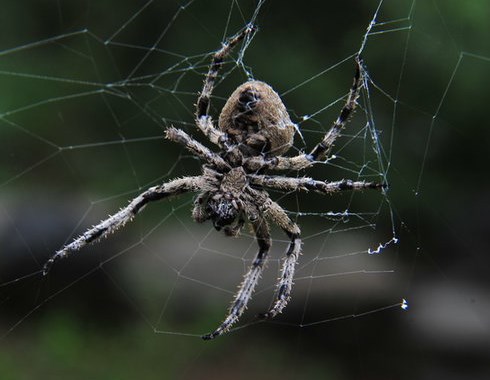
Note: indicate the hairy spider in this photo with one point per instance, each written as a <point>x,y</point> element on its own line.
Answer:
<point>254,130</point>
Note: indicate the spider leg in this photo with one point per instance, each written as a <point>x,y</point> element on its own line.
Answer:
<point>276,214</point>
<point>323,148</point>
<point>257,163</point>
<point>202,106</point>
<point>203,120</point>
<point>196,148</point>
<point>250,280</point>
<point>305,183</point>
<point>126,214</point>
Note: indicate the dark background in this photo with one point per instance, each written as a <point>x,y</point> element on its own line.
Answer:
<point>74,150</point>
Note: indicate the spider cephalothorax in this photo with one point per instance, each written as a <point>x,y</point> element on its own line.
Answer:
<point>224,205</point>
<point>254,129</point>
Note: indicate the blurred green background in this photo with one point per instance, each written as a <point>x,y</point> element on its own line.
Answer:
<point>75,148</point>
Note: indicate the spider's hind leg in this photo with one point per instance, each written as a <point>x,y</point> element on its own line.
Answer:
<point>203,121</point>
<point>323,148</point>
<point>202,105</point>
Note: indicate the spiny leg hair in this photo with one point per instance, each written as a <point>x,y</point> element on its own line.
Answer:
<point>203,120</point>
<point>306,184</point>
<point>195,147</point>
<point>276,214</point>
<point>250,279</point>
<point>126,214</point>
<point>323,148</point>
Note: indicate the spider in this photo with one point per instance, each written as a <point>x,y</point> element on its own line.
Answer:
<point>254,130</point>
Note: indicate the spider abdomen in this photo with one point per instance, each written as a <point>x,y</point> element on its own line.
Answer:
<point>255,118</point>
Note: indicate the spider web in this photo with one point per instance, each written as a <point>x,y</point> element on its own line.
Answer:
<point>88,90</point>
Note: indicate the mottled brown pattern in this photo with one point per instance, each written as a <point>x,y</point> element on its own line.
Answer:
<point>255,117</point>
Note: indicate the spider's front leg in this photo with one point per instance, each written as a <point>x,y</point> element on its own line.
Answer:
<point>250,280</point>
<point>126,214</point>
<point>276,214</point>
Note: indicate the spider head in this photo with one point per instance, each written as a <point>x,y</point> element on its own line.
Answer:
<point>255,118</point>
<point>223,211</point>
